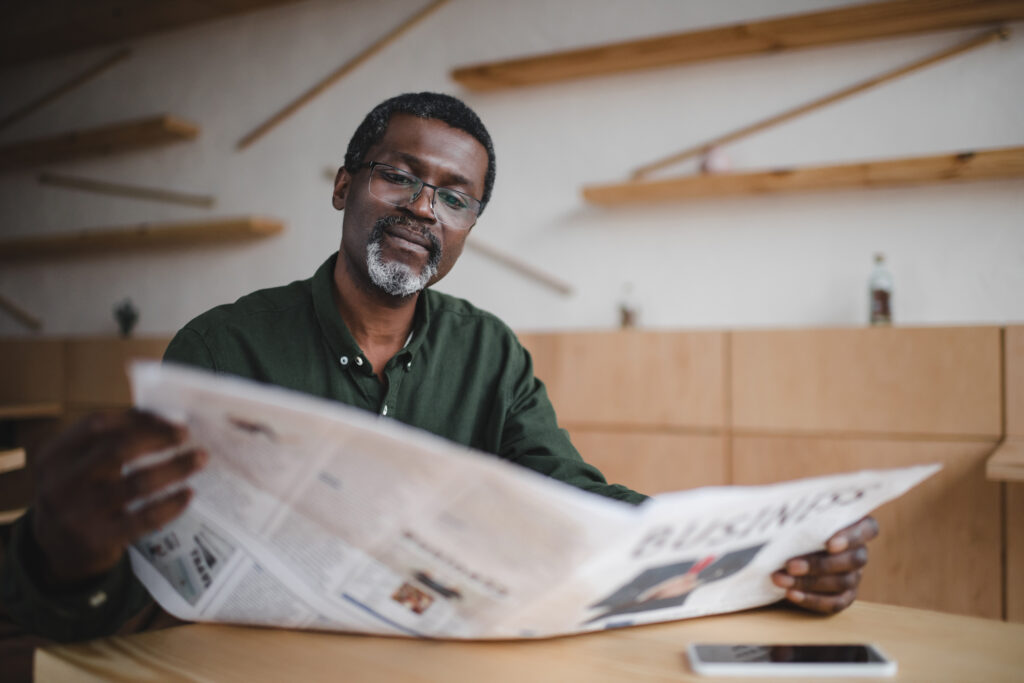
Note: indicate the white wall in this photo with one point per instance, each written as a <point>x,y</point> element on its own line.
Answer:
<point>956,251</point>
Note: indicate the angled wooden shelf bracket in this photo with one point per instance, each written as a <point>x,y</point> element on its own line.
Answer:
<point>154,194</point>
<point>846,24</point>
<point>143,236</point>
<point>101,141</point>
<point>74,82</point>
<point>983,165</point>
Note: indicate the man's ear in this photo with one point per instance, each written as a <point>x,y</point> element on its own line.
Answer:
<point>342,182</point>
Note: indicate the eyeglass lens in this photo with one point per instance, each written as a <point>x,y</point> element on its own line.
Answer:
<point>400,188</point>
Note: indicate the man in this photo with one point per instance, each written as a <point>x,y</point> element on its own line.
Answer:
<point>364,330</point>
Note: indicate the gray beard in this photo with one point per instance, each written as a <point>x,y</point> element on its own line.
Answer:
<point>392,277</point>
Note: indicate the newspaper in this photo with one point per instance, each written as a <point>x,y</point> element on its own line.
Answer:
<point>315,515</point>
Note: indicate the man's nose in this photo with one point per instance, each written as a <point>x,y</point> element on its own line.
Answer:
<point>422,204</point>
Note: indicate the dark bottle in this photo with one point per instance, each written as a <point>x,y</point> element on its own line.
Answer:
<point>880,286</point>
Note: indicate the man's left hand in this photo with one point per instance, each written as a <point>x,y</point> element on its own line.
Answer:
<point>827,581</point>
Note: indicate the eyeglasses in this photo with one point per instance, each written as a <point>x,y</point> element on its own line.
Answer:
<point>455,209</point>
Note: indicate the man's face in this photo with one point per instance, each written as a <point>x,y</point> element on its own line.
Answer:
<point>400,250</point>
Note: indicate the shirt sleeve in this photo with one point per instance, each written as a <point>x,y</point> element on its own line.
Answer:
<point>92,610</point>
<point>188,347</point>
<point>105,604</point>
<point>533,439</point>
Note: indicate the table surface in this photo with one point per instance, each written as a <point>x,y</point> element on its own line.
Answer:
<point>928,646</point>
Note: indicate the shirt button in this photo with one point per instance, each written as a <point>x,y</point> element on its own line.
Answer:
<point>384,411</point>
<point>359,361</point>
<point>343,360</point>
<point>408,366</point>
<point>97,599</point>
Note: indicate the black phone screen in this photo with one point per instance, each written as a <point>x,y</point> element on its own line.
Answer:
<point>789,654</point>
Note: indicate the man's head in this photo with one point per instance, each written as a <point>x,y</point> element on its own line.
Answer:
<point>425,105</point>
<point>419,169</point>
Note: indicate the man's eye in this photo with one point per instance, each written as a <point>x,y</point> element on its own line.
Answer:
<point>452,200</point>
<point>396,178</point>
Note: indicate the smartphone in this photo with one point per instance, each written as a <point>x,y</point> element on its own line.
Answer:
<point>786,660</point>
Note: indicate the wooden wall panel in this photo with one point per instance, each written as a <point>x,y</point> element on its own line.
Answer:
<point>1015,553</point>
<point>940,546</point>
<point>96,368</point>
<point>654,462</point>
<point>876,381</point>
<point>31,370</point>
<point>1014,373</point>
<point>633,378</point>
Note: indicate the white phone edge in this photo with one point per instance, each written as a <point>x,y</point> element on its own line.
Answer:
<point>884,669</point>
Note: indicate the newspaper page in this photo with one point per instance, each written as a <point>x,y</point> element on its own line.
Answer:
<point>316,515</point>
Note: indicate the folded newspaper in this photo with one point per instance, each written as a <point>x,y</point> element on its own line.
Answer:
<point>312,514</point>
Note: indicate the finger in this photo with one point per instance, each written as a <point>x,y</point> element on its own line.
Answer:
<point>825,604</point>
<point>133,434</point>
<point>829,584</point>
<point>154,515</point>
<point>150,480</point>
<point>823,563</point>
<point>856,534</point>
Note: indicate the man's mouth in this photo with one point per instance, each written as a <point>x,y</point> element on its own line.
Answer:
<point>407,235</point>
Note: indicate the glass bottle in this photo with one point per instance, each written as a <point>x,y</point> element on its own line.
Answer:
<point>880,286</point>
<point>629,308</point>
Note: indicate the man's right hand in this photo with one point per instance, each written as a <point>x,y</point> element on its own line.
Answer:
<point>82,522</point>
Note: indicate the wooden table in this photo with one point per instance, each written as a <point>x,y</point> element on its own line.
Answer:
<point>928,646</point>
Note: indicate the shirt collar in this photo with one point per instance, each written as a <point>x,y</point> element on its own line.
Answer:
<point>336,333</point>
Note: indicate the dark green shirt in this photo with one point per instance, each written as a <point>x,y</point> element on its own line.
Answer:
<point>462,375</point>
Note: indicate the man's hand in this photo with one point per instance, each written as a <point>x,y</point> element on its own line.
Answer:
<point>827,581</point>
<point>82,522</point>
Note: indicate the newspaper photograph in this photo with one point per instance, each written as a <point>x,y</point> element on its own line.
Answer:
<point>312,514</point>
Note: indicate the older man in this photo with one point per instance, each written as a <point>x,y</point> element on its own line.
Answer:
<point>365,330</point>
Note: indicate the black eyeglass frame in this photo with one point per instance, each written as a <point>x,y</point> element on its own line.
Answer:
<point>473,204</point>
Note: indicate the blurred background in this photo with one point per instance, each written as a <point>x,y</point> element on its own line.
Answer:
<point>955,250</point>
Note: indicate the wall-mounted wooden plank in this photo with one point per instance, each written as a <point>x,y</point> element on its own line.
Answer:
<point>984,165</point>
<point>898,381</point>
<point>940,544</point>
<point>12,459</point>
<point>654,462</point>
<point>30,411</point>
<point>97,368</point>
<point>31,371</point>
<point>32,30</point>
<point>1007,462</point>
<point>101,141</point>
<point>633,378</point>
<point>859,22</point>
<point>144,236</point>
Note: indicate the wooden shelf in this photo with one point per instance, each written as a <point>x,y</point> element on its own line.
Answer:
<point>12,459</point>
<point>8,516</point>
<point>860,22</point>
<point>28,411</point>
<point>986,165</point>
<point>143,236</point>
<point>32,30</point>
<point>101,141</point>
<point>1007,463</point>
